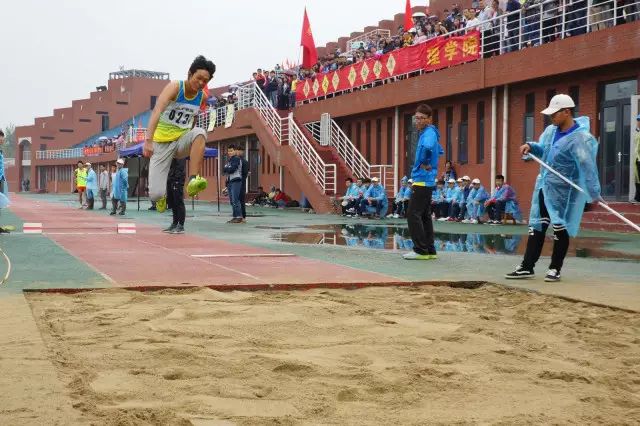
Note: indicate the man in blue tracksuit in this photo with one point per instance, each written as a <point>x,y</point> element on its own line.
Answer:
<point>376,197</point>
<point>423,173</point>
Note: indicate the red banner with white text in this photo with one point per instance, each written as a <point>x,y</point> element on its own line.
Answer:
<point>434,54</point>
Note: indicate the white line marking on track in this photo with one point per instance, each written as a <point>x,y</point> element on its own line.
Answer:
<point>244,255</point>
<point>253,277</point>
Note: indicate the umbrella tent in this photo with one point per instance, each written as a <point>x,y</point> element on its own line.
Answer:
<point>135,151</point>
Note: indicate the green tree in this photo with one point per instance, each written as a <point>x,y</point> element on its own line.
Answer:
<point>9,147</point>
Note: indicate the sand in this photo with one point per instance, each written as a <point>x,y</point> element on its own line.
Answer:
<point>421,355</point>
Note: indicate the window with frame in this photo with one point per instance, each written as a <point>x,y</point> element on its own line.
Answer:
<point>529,117</point>
<point>463,135</point>
<point>480,133</point>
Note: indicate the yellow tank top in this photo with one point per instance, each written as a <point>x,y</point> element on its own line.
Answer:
<point>81,177</point>
<point>177,118</point>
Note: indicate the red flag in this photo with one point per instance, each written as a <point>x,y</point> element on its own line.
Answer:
<point>408,22</point>
<point>309,52</point>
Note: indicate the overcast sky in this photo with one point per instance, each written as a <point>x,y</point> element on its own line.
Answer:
<point>55,51</point>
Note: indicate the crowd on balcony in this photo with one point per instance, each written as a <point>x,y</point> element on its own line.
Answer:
<point>538,22</point>
<point>104,145</point>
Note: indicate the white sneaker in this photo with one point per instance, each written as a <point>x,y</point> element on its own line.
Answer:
<point>395,216</point>
<point>390,215</point>
<point>474,221</point>
<point>443,219</point>
<point>466,221</point>
<point>553,275</point>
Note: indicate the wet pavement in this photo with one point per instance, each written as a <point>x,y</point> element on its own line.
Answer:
<point>397,238</point>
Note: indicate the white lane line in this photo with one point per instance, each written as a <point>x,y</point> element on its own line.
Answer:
<point>253,277</point>
<point>244,255</point>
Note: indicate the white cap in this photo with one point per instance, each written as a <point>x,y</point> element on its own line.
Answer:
<point>120,161</point>
<point>451,180</point>
<point>87,164</point>
<point>410,181</point>
<point>374,179</point>
<point>476,180</point>
<point>412,30</point>
<point>460,180</point>
<point>557,103</point>
<point>466,178</point>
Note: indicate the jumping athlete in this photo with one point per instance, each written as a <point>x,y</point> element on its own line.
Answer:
<point>171,132</point>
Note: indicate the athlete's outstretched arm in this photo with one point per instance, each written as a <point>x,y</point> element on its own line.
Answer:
<point>168,94</point>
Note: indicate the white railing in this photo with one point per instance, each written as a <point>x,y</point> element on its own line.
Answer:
<point>352,157</point>
<point>250,96</point>
<point>287,131</point>
<point>353,44</point>
<point>59,154</point>
<point>26,155</point>
<point>8,162</point>
<point>325,174</point>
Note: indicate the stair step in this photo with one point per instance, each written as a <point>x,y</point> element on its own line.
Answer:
<point>607,227</point>
<point>621,207</point>
<point>603,216</point>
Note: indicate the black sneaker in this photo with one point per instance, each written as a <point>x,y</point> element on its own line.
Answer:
<point>179,229</point>
<point>520,273</point>
<point>171,228</point>
<point>553,275</point>
<point>112,213</point>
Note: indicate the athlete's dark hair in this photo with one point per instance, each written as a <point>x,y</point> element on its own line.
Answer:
<point>1,133</point>
<point>424,109</point>
<point>348,180</point>
<point>500,177</point>
<point>366,180</point>
<point>202,63</point>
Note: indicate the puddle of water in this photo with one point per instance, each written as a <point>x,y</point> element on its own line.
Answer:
<point>398,238</point>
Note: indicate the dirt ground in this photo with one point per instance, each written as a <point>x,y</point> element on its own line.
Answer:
<point>420,355</point>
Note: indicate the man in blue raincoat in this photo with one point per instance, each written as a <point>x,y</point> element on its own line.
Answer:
<point>375,199</point>
<point>92,185</point>
<point>568,147</point>
<point>120,189</point>
<point>4,190</point>
<point>475,201</point>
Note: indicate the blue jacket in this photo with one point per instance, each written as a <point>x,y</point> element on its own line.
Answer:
<point>376,192</point>
<point>404,193</point>
<point>573,156</point>
<point>353,191</point>
<point>92,180</point>
<point>451,194</point>
<point>121,184</point>
<point>438,195</point>
<point>428,152</point>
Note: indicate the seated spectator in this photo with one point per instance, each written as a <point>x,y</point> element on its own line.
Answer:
<point>439,204</point>
<point>465,189</point>
<point>281,199</point>
<point>261,198</point>
<point>475,202</point>
<point>450,195</point>
<point>449,172</point>
<point>473,22</point>
<point>375,198</point>
<point>349,201</point>
<point>503,200</point>
<point>401,201</point>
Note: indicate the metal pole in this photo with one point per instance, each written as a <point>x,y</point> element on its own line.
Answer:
<point>494,134</point>
<point>396,149</point>
<point>218,174</point>
<point>505,130</point>
<point>600,203</point>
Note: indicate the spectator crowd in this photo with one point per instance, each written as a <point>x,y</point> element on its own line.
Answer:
<point>454,199</point>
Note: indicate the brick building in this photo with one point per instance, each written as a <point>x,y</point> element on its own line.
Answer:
<point>484,110</point>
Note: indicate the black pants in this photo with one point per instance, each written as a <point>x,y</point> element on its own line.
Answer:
<point>419,220</point>
<point>353,204</point>
<point>243,193</point>
<point>536,241</point>
<point>175,198</point>
<point>637,196</point>
<point>496,210</point>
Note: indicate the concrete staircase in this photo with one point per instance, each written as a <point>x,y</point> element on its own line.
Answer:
<point>598,219</point>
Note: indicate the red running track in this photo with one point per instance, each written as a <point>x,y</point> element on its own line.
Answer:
<point>150,258</point>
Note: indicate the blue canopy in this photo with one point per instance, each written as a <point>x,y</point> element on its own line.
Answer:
<point>136,151</point>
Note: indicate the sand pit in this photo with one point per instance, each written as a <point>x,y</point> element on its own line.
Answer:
<point>374,356</point>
